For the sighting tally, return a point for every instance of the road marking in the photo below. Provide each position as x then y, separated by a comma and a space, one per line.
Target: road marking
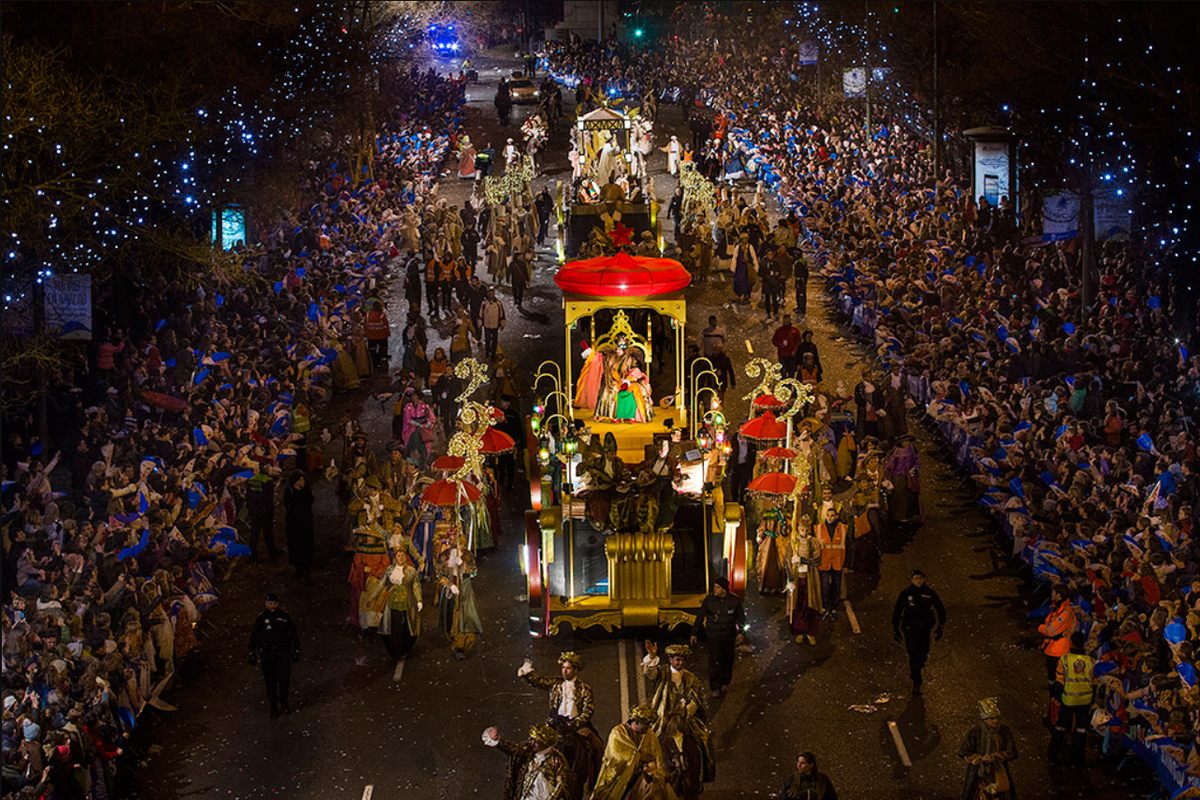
370, 788
399, 673
900, 748
749, 347
622, 660
853, 619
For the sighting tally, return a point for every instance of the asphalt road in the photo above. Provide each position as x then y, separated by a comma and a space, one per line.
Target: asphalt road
357, 726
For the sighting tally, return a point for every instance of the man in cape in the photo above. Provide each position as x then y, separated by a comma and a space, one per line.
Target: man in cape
633, 765
571, 706
536, 770
678, 697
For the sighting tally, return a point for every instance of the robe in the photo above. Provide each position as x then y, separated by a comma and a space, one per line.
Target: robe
625, 754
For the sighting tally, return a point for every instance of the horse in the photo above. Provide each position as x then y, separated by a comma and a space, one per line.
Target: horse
683, 756
583, 750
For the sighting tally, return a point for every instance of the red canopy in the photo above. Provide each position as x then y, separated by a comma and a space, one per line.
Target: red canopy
450, 493
772, 483
765, 428
779, 452
623, 275
769, 401
494, 442
449, 462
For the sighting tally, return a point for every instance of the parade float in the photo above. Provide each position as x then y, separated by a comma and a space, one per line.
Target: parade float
608, 144
629, 524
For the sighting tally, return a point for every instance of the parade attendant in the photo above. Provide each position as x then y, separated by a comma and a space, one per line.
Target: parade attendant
722, 619
633, 765
400, 620
987, 749
802, 556
275, 643
491, 321
1076, 677
832, 534
1056, 630
378, 332
677, 698
768, 562
298, 507
786, 340
457, 615
260, 505
807, 782
711, 336
536, 769
571, 707
917, 613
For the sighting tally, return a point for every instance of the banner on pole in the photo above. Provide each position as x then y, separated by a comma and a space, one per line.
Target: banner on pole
68, 306
1111, 215
1060, 216
808, 54
854, 82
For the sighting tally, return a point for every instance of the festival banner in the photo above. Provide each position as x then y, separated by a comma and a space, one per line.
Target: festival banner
808, 54
854, 82
1060, 216
68, 306
1111, 215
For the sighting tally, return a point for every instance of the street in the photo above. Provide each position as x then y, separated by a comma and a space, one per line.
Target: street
359, 731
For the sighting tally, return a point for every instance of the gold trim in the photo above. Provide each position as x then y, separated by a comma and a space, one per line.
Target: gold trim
610, 620
670, 617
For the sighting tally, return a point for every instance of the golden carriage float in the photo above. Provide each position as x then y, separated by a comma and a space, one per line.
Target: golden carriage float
629, 525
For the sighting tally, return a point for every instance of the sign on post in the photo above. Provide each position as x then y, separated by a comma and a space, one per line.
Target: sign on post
68, 306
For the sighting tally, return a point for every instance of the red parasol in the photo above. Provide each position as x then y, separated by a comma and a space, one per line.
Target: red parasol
498, 414
623, 275
768, 401
779, 484
494, 442
450, 493
764, 429
779, 452
449, 462
164, 401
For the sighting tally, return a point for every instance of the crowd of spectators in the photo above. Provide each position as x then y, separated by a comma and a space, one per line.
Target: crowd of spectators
119, 525
1075, 422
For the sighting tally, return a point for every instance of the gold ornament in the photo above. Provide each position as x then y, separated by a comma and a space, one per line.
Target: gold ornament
771, 373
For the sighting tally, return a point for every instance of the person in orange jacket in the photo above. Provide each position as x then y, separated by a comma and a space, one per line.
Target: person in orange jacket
1056, 630
378, 332
833, 535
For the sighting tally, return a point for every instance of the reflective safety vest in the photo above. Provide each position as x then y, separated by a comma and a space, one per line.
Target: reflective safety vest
833, 548
377, 326
1075, 675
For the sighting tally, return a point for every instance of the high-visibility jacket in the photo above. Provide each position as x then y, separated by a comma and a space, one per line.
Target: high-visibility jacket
433, 269
833, 547
1075, 675
1057, 629
377, 325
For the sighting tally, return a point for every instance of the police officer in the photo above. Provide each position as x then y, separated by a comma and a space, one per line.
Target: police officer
918, 611
274, 641
723, 619
1076, 680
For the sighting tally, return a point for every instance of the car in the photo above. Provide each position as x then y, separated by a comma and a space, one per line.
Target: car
523, 91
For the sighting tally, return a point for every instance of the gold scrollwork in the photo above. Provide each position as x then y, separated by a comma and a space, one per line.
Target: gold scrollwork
609, 619
670, 617
793, 391
771, 373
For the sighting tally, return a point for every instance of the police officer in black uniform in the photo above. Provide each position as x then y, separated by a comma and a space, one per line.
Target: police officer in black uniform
918, 611
275, 642
722, 619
